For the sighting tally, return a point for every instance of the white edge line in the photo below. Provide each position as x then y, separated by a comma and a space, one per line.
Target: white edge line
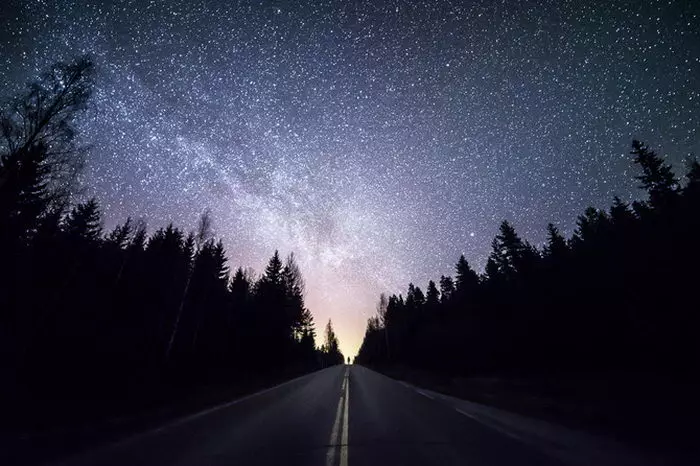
473, 416
177, 422
487, 424
194, 416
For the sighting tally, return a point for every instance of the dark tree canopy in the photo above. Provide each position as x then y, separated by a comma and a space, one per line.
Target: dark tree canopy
87, 314
331, 348
606, 299
466, 278
657, 177
42, 120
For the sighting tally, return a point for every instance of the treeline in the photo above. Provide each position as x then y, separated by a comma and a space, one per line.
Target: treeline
86, 313
619, 296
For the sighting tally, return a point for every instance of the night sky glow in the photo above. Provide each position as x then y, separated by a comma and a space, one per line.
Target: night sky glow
377, 140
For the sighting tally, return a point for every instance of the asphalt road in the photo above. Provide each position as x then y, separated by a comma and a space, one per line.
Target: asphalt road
339, 416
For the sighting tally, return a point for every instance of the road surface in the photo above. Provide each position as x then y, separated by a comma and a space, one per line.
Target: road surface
338, 416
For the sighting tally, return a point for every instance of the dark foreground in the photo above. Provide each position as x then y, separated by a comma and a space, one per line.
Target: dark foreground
352, 415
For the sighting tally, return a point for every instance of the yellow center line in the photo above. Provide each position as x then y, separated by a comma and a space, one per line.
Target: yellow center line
340, 426
344, 445
330, 455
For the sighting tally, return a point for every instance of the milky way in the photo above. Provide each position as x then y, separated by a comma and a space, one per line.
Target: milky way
377, 140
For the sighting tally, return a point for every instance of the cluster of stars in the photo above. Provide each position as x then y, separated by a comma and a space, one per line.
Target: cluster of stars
377, 140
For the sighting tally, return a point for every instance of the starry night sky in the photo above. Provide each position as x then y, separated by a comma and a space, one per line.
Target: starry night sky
378, 140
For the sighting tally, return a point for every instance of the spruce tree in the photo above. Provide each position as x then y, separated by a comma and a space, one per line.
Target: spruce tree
432, 297
447, 289
657, 177
84, 223
556, 247
466, 278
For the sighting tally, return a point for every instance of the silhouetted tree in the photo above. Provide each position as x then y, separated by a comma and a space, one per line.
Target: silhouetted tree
39, 124
657, 177
509, 254
447, 289
87, 317
24, 196
432, 297
331, 349
466, 278
121, 234
556, 248
602, 300
83, 222
192, 246
693, 177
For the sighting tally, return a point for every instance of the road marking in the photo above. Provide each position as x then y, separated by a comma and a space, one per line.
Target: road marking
225, 405
332, 443
126, 441
490, 424
344, 447
467, 414
340, 426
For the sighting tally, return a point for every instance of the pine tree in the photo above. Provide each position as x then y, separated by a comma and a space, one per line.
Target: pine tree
171, 267
293, 283
508, 251
24, 196
208, 288
307, 338
331, 347
382, 307
273, 271
240, 287
414, 298
190, 249
308, 328
432, 297
591, 227
419, 297
492, 270
620, 213
466, 278
447, 289
274, 314
138, 239
121, 234
84, 223
691, 191
556, 248
657, 177
41, 122
198, 240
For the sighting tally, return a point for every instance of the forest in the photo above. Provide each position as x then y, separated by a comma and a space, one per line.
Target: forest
92, 319
96, 322
617, 297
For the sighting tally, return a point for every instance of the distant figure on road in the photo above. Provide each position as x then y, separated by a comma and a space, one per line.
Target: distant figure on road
348, 359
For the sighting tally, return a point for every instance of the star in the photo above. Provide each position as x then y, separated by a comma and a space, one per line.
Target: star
365, 137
